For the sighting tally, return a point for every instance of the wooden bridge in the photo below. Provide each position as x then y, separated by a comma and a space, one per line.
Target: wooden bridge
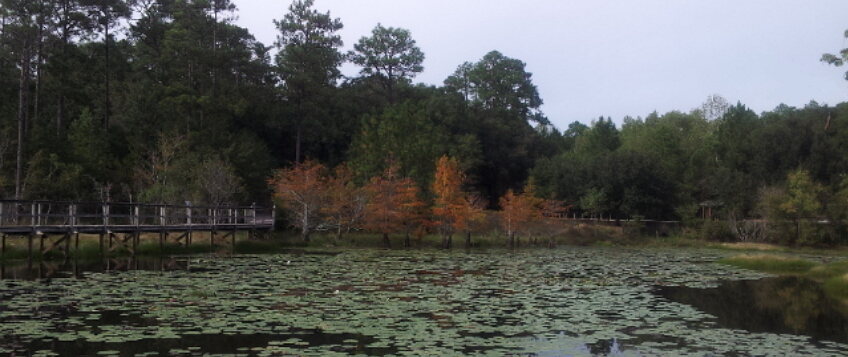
121, 225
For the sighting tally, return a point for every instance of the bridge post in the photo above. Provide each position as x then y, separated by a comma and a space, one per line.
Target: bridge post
104, 210
105, 215
72, 213
137, 234
37, 224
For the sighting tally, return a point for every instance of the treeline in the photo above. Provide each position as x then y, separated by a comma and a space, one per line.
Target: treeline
169, 100
785, 166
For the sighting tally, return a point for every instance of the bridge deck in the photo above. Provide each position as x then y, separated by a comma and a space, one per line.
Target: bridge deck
95, 229
62, 220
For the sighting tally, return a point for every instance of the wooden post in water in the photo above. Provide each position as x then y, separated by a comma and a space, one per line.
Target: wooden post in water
211, 229
213, 226
2, 245
104, 213
188, 224
29, 246
67, 238
162, 233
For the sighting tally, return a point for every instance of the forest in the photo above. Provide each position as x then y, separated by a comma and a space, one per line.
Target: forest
169, 101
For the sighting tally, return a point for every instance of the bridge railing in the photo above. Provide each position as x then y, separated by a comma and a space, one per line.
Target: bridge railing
16, 213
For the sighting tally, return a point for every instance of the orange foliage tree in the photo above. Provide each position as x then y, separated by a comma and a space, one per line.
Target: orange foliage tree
475, 215
453, 209
394, 204
301, 190
346, 202
517, 210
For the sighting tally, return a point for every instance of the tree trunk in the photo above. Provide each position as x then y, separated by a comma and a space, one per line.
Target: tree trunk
39, 52
108, 97
386, 241
304, 233
22, 118
297, 143
339, 234
60, 111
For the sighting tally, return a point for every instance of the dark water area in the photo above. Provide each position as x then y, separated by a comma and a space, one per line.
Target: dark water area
76, 268
72, 268
784, 305
196, 344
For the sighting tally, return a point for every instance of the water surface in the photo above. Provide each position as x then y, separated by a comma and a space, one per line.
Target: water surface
569, 301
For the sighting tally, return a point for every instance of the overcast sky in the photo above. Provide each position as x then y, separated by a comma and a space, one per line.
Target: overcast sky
615, 58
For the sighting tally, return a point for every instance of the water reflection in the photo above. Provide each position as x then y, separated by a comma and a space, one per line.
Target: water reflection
73, 268
777, 305
197, 344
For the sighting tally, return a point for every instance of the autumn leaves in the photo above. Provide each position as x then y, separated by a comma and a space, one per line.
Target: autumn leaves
316, 199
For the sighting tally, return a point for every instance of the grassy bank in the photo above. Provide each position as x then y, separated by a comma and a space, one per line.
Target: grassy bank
582, 234
776, 264
832, 276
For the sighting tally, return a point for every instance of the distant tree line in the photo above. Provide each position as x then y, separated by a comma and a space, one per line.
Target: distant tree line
169, 100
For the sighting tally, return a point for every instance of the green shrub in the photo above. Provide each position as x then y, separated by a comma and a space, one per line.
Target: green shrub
717, 231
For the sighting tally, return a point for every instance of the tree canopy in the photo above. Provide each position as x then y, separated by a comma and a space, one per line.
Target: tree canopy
167, 101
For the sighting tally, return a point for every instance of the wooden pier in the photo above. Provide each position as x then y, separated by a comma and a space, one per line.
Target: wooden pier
121, 225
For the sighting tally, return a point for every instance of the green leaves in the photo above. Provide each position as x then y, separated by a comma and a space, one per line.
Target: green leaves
405, 133
498, 83
837, 60
390, 54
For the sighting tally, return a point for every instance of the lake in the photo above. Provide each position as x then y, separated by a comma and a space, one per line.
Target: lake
566, 301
